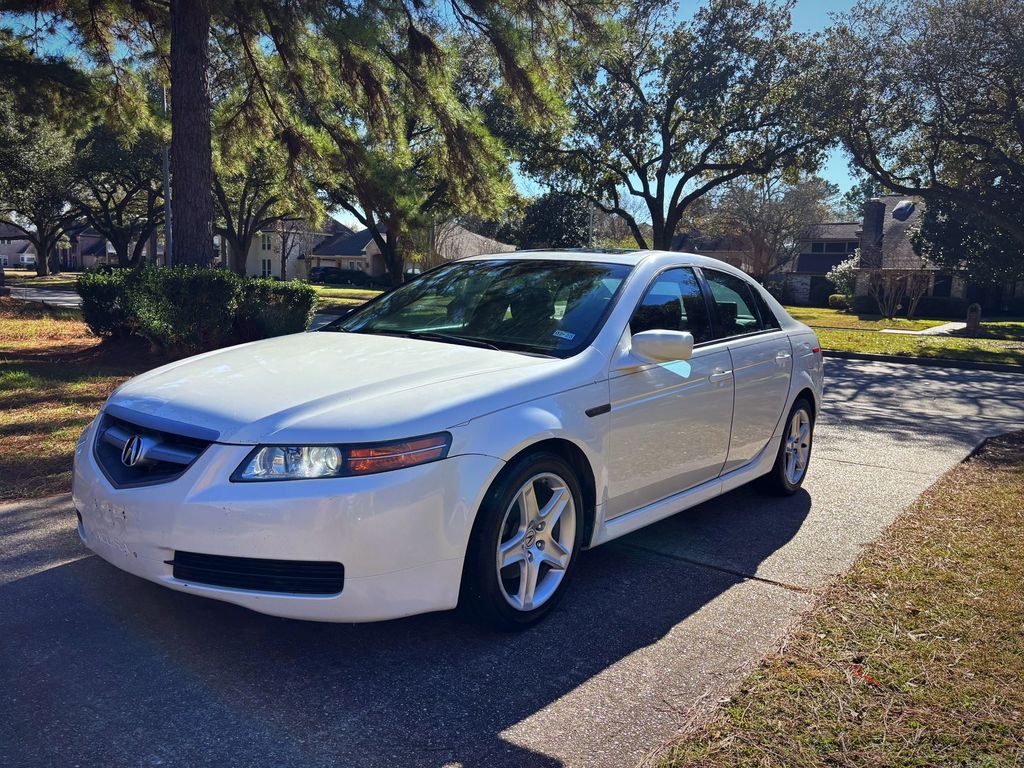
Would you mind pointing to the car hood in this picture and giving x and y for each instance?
(338, 387)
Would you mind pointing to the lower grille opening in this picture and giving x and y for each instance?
(296, 577)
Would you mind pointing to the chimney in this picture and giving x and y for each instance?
(871, 233)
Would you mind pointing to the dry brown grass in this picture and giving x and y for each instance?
(915, 658)
(54, 376)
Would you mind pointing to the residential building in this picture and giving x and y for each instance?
(15, 251)
(824, 247)
(727, 248)
(448, 242)
(295, 236)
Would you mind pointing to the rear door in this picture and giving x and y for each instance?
(669, 421)
(762, 363)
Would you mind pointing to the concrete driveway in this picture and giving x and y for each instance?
(100, 668)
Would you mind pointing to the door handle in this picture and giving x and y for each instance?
(782, 357)
(719, 375)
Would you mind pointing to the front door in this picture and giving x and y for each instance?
(762, 363)
(670, 421)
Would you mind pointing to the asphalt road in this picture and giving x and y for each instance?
(100, 668)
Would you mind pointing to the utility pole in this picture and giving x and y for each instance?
(591, 230)
(167, 197)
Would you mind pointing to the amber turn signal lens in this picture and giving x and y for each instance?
(397, 455)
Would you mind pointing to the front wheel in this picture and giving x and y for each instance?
(525, 541)
(790, 468)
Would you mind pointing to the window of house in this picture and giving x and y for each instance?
(852, 246)
(835, 247)
(817, 247)
(354, 265)
(267, 269)
(673, 302)
(3, 261)
(265, 242)
(734, 300)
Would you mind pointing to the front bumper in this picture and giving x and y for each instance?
(401, 536)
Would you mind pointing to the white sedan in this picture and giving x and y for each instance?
(459, 439)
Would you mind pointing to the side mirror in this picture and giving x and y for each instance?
(662, 346)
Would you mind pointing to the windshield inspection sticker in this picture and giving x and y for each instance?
(564, 335)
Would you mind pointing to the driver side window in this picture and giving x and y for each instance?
(673, 302)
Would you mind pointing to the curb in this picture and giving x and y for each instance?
(934, 362)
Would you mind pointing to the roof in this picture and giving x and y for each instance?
(453, 241)
(344, 244)
(10, 232)
(901, 215)
(695, 241)
(835, 230)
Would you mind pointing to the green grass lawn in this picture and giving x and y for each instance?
(914, 658)
(834, 318)
(54, 376)
(337, 298)
(945, 347)
(65, 281)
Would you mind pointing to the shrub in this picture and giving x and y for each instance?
(942, 307)
(819, 293)
(839, 301)
(864, 305)
(184, 308)
(267, 308)
(104, 306)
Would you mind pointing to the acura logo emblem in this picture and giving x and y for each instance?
(131, 454)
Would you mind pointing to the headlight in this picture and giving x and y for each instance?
(298, 462)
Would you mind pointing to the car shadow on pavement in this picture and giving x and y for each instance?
(99, 667)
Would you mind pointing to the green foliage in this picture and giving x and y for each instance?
(191, 309)
(267, 308)
(36, 163)
(104, 307)
(930, 95)
(183, 308)
(555, 220)
(117, 186)
(839, 301)
(669, 110)
(844, 275)
(959, 241)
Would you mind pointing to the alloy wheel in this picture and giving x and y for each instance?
(798, 446)
(536, 541)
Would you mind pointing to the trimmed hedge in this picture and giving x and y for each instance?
(104, 306)
(267, 308)
(839, 301)
(192, 309)
(942, 307)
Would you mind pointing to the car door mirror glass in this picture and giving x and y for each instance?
(658, 346)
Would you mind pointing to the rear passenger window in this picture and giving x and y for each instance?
(674, 302)
(734, 299)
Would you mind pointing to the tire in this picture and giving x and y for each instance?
(541, 552)
(785, 478)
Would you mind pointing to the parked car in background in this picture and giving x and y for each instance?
(338, 276)
(460, 439)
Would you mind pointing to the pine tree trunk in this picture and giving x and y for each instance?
(191, 152)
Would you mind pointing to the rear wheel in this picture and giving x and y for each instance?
(790, 468)
(525, 541)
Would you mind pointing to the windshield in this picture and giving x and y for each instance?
(545, 307)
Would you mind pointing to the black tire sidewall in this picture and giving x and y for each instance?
(480, 588)
(779, 479)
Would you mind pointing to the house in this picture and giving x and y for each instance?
(15, 251)
(449, 241)
(351, 250)
(728, 248)
(822, 248)
(298, 238)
